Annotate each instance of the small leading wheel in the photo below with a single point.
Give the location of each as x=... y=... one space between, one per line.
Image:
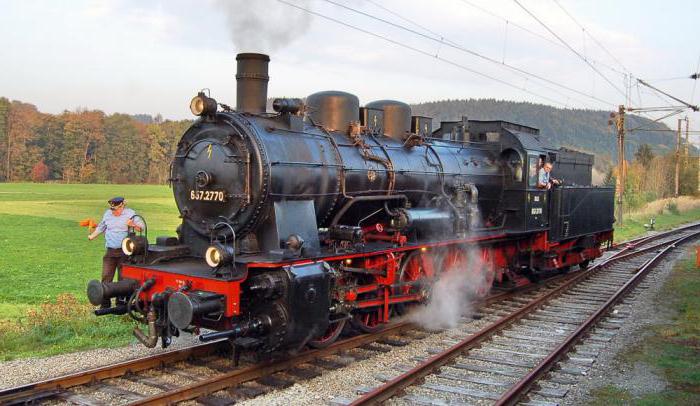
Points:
x=368 y=321
x=330 y=336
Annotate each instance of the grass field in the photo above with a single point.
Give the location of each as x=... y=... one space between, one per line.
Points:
x=44 y=253
x=46 y=261
x=667 y=212
x=634 y=226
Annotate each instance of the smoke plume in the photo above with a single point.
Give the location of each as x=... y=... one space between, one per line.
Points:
x=452 y=294
x=263 y=25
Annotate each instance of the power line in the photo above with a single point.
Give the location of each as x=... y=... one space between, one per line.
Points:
x=571 y=48
x=536 y=34
x=654 y=109
x=694 y=132
x=420 y=51
x=442 y=38
x=671 y=78
x=408 y=20
x=591 y=36
x=458 y=47
x=688 y=105
x=671 y=114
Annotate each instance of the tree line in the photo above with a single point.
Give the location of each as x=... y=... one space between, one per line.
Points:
x=89 y=146
x=85 y=146
x=651 y=176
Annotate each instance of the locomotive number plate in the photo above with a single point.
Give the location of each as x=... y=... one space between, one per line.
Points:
x=208 y=195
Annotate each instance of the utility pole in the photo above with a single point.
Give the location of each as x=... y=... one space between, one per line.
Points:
x=620 y=182
x=687 y=140
x=678 y=158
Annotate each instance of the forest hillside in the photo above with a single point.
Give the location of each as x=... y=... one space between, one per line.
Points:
x=586 y=130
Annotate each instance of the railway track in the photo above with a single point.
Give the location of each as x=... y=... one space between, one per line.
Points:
x=566 y=327
x=207 y=373
x=202 y=370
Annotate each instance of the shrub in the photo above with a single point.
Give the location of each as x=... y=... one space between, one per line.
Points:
x=59 y=326
x=40 y=172
x=672 y=208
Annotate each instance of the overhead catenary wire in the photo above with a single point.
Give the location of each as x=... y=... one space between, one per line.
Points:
x=668 y=130
x=671 y=114
x=591 y=36
x=441 y=40
x=406 y=19
x=455 y=45
x=596 y=70
x=444 y=40
x=657 y=91
x=686 y=77
x=420 y=51
x=536 y=34
x=688 y=105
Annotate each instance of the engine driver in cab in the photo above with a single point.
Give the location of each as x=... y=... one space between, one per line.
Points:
x=543 y=179
x=115 y=225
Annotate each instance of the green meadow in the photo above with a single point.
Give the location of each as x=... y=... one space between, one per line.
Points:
x=46 y=261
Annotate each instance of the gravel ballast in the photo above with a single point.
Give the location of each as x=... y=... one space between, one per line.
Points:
x=611 y=369
x=24 y=371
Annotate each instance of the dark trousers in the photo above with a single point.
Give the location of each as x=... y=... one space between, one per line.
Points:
x=110 y=262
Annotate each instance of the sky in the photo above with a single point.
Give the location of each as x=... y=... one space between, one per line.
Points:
x=152 y=56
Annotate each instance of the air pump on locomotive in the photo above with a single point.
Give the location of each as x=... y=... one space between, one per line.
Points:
x=323 y=213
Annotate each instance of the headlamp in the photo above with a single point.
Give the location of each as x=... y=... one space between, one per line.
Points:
x=133 y=245
x=218 y=255
x=202 y=105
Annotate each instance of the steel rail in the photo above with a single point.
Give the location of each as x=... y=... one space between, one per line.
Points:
x=250 y=373
x=236 y=377
x=635 y=242
x=406 y=379
x=49 y=386
x=520 y=388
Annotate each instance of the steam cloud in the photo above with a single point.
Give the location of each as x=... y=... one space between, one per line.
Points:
x=263 y=25
x=451 y=295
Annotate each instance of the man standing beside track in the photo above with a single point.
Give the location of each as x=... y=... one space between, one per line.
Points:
x=115 y=224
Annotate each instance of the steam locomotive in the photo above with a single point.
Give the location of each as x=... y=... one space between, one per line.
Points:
x=324 y=213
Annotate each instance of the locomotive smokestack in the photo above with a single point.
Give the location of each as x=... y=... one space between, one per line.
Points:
x=251 y=82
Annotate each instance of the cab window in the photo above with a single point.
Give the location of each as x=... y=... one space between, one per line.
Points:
x=533 y=167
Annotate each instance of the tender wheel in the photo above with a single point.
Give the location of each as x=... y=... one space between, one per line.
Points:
x=330 y=336
x=584 y=265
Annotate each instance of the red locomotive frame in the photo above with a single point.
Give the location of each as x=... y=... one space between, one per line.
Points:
x=497 y=255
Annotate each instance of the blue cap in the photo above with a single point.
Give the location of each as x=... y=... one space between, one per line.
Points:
x=116 y=200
